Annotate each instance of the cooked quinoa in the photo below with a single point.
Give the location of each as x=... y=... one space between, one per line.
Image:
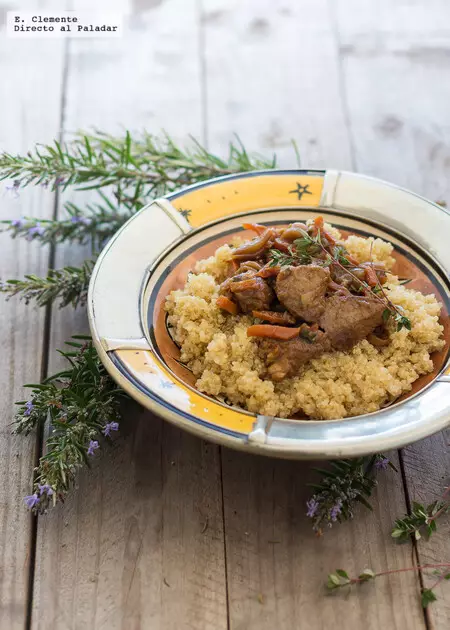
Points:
x=227 y=363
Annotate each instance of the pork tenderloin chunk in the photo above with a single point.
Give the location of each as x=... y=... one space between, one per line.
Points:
x=284 y=358
x=301 y=290
x=252 y=294
x=347 y=319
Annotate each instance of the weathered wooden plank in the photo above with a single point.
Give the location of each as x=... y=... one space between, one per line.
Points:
x=273 y=76
x=427 y=470
x=280 y=68
x=395 y=59
x=396 y=68
x=30 y=102
x=277 y=568
x=139 y=543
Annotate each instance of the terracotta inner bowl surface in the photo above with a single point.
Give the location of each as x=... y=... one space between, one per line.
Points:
x=174 y=276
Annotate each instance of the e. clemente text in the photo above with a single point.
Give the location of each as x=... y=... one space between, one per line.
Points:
x=66 y=24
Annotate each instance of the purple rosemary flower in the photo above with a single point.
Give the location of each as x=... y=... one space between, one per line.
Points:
x=45 y=488
x=82 y=220
x=44 y=184
x=312 y=506
x=31 y=501
x=59 y=181
x=93 y=446
x=382 y=463
x=13 y=188
x=28 y=408
x=36 y=229
x=110 y=426
x=336 y=510
x=18 y=223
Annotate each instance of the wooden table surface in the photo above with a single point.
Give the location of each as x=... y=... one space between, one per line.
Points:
x=166 y=531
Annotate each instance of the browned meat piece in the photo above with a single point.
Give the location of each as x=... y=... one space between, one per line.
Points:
x=284 y=358
x=350 y=318
x=302 y=290
x=238 y=277
x=252 y=293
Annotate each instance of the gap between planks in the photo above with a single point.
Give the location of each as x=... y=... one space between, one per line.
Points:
x=46 y=348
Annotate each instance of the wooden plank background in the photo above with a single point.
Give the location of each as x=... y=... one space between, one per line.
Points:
x=169 y=532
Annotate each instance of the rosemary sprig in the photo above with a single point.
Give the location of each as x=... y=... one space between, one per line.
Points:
x=96 y=160
x=343 y=485
x=340 y=578
x=82 y=404
x=421 y=520
x=96 y=223
x=69 y=285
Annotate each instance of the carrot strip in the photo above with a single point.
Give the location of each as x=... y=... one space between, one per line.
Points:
x=274 y=318
x=351 y=259
x=329 y=237
x=243 y=285
x=281 y=333
x=227 y=305
x=371 y=277
x=268 y=272
x=318 y=223
x=254 y=227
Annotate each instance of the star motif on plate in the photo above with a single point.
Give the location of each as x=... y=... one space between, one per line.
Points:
x=300 y=190
x=186 y=214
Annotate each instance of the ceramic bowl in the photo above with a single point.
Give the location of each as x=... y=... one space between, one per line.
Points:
x=153 y=253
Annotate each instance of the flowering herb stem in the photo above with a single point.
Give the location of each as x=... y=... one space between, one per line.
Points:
x=93 y=224
x=69 y=285
x=343 y=485
x=82 y=404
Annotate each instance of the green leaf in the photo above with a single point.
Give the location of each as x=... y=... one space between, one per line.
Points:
x=428 y=597
x=419 y=508
x=366 y=575
x=342 y=573
x=333 y=581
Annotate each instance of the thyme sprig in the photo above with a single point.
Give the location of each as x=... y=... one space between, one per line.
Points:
x=82 y=404
x=421 y=520
x=69 y=285
x=345 y=484
x=281 y=259
x=341 y=579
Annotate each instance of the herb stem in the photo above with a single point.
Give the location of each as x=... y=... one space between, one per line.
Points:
x=361 y=282
x=443 y=565
x=444 y=508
